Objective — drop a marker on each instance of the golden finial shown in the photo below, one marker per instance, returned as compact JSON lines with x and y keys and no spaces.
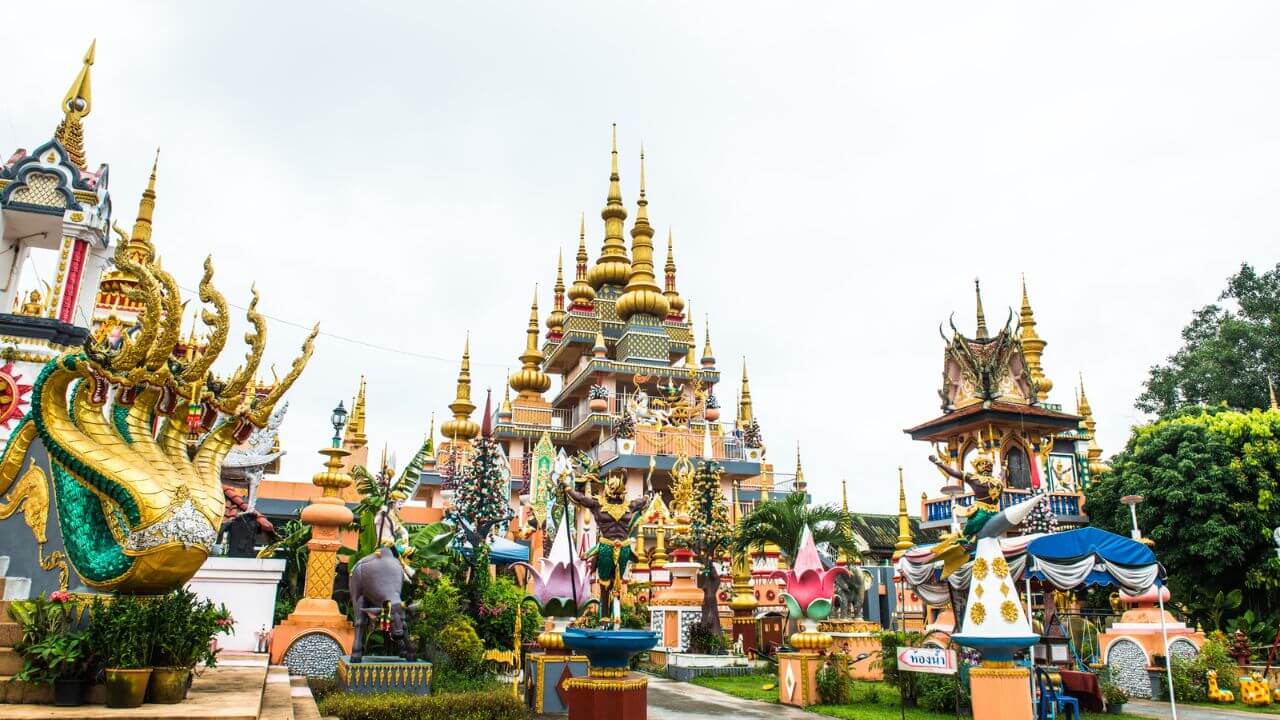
{"x":612,"y":267}
{"x":430,"y":441}
{"x":529,"y":380}
{"x":844,"y":495}
{"x":904,"y":522}
{"x":1271,"y":391}
{"x":708,"y":355}
{"x":1032,"y":346}
{"x":1093,"y":452}
{"x":600,"y":350}
{"x":744,"y":398}
{"x":462,"y":426}
{"x":642,"y":295}
{"x":675,"y":303}
{"x":76,"y":105}
{"x":555,"y":318}
{"x":581,"y":292}
{"x":355,"y":427}
{"x":139,"y":245}
{"x":981,"y":333}
{"x":505,"y":408}
{"x":1084,"y":410}
{"x":800,"y":484}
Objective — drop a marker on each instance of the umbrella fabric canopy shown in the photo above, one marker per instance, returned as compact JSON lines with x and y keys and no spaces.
{"x":1091,"y":556}
{"x":502,"y":551}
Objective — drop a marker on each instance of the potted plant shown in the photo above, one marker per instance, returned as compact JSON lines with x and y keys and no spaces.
{"x":54,"y":652}
{"x":712,"y":411}
{"x":122,"y":631}
{"x":1114,"y":697}
{"x":598,"y":398}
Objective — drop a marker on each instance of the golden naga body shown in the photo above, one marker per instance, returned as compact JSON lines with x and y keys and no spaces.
{"x":136,"y":437}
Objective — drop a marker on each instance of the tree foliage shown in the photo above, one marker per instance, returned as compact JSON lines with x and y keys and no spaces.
{"x":1229,"y":350}
{"x":1208,"y":477}
{"x":710,"y":534}
{"x":780,"y":522}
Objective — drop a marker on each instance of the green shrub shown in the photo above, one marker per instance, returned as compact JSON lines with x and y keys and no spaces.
{"x":322,"y":687}
{"x":445,"y":679}
{"x":833,"y":680}
{"x":490,"y":705}
{"x":461,"y":646}
{"x":123,"y":631}
{"x":872,"y":693}
{"x":1214,"y":656}
{"x":906,"y":682}
{"x":705,"y":642}
{"x":938,"y":692}
{"x":496,"y":617}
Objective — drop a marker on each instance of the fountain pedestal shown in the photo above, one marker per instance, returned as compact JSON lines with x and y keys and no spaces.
{"x":546,"y":672}
{"x":798,"y":670}
{"x":610,"y":691}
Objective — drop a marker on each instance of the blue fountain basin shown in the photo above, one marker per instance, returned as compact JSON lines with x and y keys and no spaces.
{"x":609,"y":648}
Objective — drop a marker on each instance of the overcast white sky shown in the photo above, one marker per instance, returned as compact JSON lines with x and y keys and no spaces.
{"x":836,"y":175}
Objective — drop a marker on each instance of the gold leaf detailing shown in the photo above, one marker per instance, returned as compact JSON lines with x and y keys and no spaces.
{"x":978,"y":613}
{"x":980,"y":569}
{"x":1004,"y":589}
{"x":978,"y":591}
{"x":1009,"y":611}
{"x":1000,"y":567}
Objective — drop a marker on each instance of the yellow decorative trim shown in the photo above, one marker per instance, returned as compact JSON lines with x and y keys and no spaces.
{"x":1000,"y":567}
{"x":601,"y":672}
{"x":56,"y":301}
{"x":606,"y":684}
{"x":980,"y":569}
{"x":998,"y":672}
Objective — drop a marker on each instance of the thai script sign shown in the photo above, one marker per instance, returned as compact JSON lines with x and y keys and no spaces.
{"x":927,"y":660}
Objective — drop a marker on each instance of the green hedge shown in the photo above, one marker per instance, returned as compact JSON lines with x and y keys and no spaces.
{"x":491,"y":705}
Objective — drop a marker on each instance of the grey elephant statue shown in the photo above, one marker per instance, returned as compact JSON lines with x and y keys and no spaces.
{"x":375,"y":589}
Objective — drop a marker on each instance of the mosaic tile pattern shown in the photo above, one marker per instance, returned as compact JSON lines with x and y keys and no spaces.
{"x":313,"y":655}
{"x":1128,"y":665}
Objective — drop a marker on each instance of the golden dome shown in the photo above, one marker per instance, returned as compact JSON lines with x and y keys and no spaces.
{"x":642,"y":295}
{"x":612,"y":267}
{"x":529,"y":380}
{"x":462,"y":427}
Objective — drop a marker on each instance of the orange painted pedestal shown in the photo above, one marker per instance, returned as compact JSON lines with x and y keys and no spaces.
{"x":621,"y":696}
{"x":311,"y":615}
{"x":1000,"y":693}
{"x":798,"y":678}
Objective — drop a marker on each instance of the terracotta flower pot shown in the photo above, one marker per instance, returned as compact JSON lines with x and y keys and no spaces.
{"x":126,"y":688}
{"x":712,"y":414}
{"x":598,"y":405}
{"x":168,"y":685}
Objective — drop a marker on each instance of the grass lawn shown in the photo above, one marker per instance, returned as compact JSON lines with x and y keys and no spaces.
{"x":884,"y":706}
{"x":1272,"y":709}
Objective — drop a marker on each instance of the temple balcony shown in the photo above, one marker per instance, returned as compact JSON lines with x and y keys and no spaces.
{"x":1068,"y":507}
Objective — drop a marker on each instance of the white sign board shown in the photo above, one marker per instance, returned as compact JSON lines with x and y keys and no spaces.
{"x":927,"y":660}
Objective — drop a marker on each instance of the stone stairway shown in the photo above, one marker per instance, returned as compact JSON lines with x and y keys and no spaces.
{"x":12,"y":589}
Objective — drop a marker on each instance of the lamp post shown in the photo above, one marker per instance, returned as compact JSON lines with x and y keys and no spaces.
{"x":1132,"y":501}
{"x":339,"y":419}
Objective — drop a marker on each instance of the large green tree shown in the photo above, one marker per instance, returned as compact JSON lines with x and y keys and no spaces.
{"x":780,"y":522}
{"x":1229,"y":350}
{"x":1208,"y":477}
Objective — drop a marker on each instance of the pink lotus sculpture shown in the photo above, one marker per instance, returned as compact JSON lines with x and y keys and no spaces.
{"x":561,"y":588}
{"x":810,"y":588}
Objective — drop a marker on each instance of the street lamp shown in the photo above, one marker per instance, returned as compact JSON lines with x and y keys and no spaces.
{"x":1132,"y":501}
{"x":339,"y":419}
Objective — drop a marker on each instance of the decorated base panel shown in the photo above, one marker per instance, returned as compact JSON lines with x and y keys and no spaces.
{"x":1000,"y":693}
{"x":545,"y":678}
{"x":377,"y":674}
{"x":798,"y":678}
{"x":623,"y":697}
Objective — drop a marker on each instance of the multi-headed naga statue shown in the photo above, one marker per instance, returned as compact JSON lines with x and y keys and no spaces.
{"x":132,"y":438}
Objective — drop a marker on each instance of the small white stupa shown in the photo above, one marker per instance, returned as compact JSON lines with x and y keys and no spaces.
{"x":995,"y":622}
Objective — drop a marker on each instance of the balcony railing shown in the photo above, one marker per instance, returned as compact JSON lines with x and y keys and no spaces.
{"x":1062,"y":504}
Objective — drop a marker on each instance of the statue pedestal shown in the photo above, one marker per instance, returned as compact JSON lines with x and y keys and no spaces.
{"x":1000,"y":693}
{"x":546,"y":675}
{"x":247,"y":586}
{"x":312,"y":615}
{"x":380,"y":674}
{"x":798,"y":678}
{"x":606,"y":694}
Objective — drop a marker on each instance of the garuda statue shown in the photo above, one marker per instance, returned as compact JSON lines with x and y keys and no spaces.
{"x":128,"y":439}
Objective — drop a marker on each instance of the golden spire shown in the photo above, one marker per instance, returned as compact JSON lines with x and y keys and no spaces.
{"x":1033,"y":346}
{"x":505,"y":407}
{"x":1093,"y":451}
{"x":675,"y":303}
{"x":529,"y":380}
{"x":430,"y":443}
{"x":842,"y":557}
{"x":581,"y":292}
{"x":355,"y":436}
{"x":744,"y":398}
{"x":462,"y":427}
{"x":555,"y":319}
{"x":904,"y":523}
{"x":642,"y":295}
{"x":600,"y":350}
{"x":800,"y":484}
{"x":76,"y":105}
{"x":981,"y":333}
{"x":1084,"y":410}
{"x":708,"y":356}
{"x":140,"y":247}
{"x":612,"y":267}
{"x":1271,"y":390}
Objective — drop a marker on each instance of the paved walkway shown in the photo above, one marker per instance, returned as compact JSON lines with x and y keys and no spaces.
{"x":1146,"y":708}
{"x":671,"y":700}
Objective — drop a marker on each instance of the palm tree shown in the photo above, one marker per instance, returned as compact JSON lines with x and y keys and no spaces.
{"x":781,"y":522}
